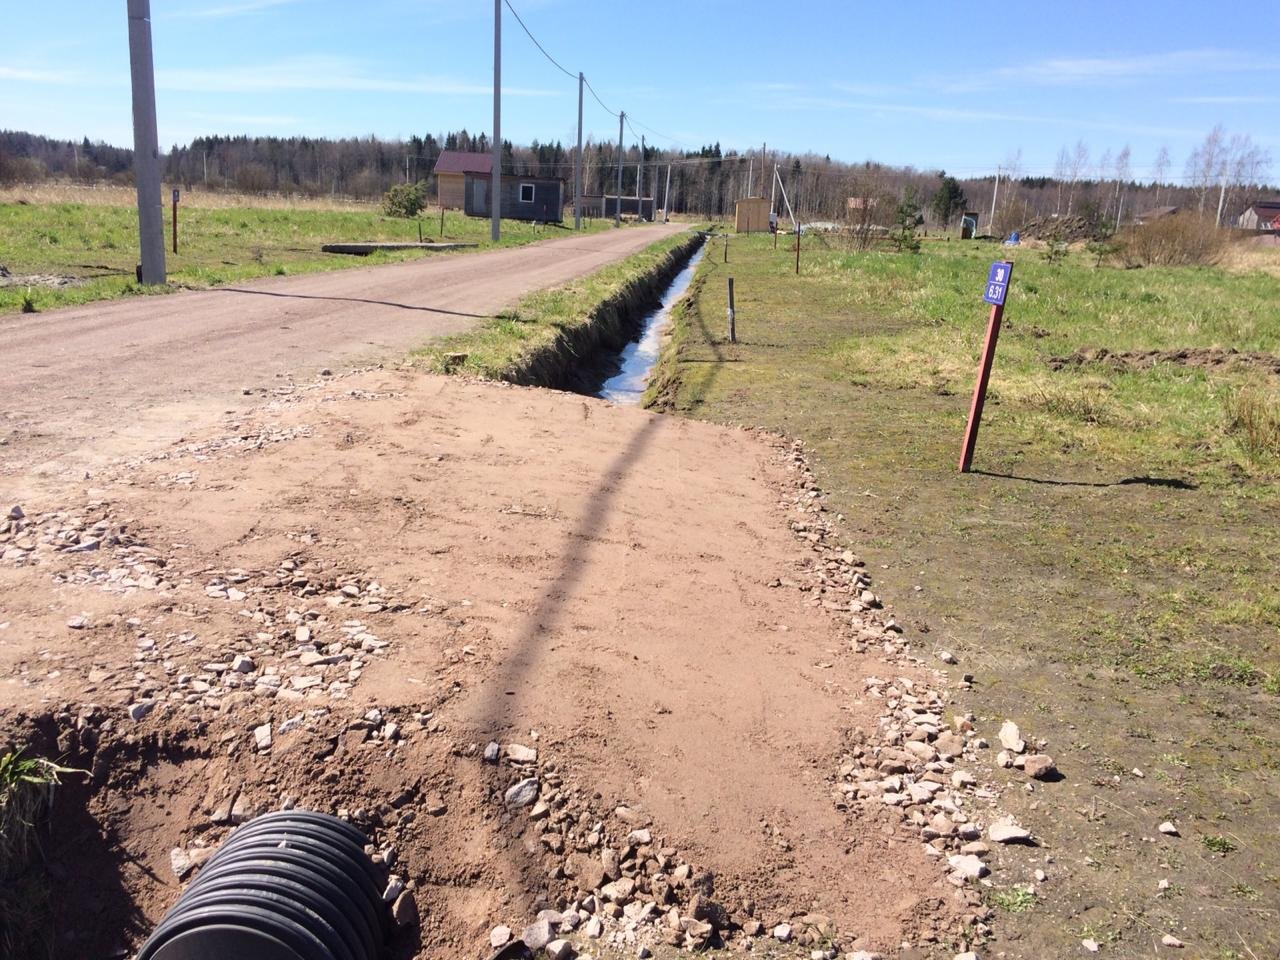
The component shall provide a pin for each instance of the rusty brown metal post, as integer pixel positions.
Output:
(980, 388)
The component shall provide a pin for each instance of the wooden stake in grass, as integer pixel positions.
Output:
(797, 250)
(442, 221)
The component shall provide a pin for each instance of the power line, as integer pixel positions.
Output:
(530, 35)
(611, 113)
(657, 134)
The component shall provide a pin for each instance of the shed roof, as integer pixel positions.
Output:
(1267, 205)
(457, 161)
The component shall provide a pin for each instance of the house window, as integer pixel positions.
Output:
(526, 193)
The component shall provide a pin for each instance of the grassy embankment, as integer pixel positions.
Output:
(1110, 577)
(505, 347)
(72, 233)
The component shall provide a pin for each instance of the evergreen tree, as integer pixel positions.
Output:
(905, 220)
(948, 200)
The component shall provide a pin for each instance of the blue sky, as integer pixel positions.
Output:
(958, 85)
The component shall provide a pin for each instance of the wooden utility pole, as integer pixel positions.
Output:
(146, 144)
(666, 199)
(577, 163)
(495, 179)
(617, 210)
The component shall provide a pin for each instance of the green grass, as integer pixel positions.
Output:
(1217, 844)
(1110, 566)
(27, 786)
(497, 349)
(1015, 899)
(98, 245)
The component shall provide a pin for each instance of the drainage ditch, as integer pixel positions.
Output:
(634, 365)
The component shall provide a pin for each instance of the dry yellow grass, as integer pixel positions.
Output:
(114, 195)
(1248, 256)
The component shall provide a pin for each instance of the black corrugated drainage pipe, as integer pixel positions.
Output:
(294, 885)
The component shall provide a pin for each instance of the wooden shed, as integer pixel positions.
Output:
(752, 215)
(452, 168)
(523, 198)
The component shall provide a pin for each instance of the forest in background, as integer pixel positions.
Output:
(1225, 173)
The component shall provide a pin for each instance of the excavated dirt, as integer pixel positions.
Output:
(1207, 358)
(386, 572)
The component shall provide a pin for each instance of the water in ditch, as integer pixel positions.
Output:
(638, 357)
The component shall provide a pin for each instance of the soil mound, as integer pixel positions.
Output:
(1210, 358)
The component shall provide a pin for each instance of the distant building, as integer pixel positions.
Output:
(751, 215)
(1155, 213)
(859, 203)
(1263, 217)
(631, 207)
(452, 167)
(523, 198)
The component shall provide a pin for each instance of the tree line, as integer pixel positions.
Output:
(1222, 175)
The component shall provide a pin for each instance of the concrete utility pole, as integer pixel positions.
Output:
(994, 193)
(617, 210)
(751, 174)
(577, 163)
(495, 180)
(666, 198)
(640, 181)
(146, 143)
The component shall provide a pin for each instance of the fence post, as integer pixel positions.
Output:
(733, 318)
(797, 250)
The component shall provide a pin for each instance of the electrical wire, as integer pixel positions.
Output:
(568, 73)
(530, 35)
(658, 134)
(611, 113)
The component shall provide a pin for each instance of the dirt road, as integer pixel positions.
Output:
(81, 386)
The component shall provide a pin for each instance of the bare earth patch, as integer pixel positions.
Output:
(338, 600)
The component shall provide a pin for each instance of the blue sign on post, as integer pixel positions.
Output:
(998, 282)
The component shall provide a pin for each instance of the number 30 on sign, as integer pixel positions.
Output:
(997, 283)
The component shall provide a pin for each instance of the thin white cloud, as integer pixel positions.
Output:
(245, 119)
(946, 114)
(321, 73)
(231, 9)
(20, 75)
(1098, 71)
(1227, 100)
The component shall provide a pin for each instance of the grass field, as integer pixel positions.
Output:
(1109, 573)
(92, 237)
